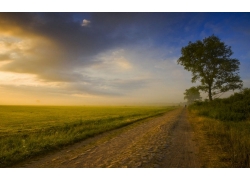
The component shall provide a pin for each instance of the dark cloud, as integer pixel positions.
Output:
(76, 45)
(63, 45)
(107, 29)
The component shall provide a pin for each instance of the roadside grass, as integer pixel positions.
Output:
(222, 143)
(27, 131)
(234, 108)
(223, 125)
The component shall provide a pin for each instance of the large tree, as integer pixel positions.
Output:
(192, 94)
(210, 62)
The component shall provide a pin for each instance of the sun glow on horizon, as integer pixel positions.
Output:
(106, 58)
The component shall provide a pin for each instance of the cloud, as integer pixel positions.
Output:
(112, 61)
(123, 63)
(121, 54)
(85, 23)
(53, 47)
(4, 57)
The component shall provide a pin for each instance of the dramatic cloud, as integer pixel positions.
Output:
(116, 57)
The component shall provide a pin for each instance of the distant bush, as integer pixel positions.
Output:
(234, 108)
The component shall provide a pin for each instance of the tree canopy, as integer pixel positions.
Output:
(210, 62)
(192, 94)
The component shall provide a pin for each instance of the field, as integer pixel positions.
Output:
(27, 131)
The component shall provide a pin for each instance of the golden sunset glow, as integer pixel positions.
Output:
(98, 59)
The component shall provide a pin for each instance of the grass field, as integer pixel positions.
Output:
(27, 131)
(225, 126)
(222, 143)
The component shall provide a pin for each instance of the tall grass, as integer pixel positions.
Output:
(227, 123)
(229, 140)
(28, 130)
(234, 108)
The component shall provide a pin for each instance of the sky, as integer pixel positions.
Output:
(108, 58)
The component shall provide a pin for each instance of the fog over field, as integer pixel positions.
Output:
(108, 58)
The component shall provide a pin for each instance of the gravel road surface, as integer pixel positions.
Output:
(161, 142)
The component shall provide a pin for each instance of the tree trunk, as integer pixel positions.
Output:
(210, 94)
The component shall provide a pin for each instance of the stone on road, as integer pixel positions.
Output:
(160, 142)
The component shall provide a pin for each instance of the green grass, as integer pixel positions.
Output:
(234, 141)
(26, 131)
(233, 108)
(229, 140)
(227, 122)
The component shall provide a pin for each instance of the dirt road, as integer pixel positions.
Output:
(161, 142)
